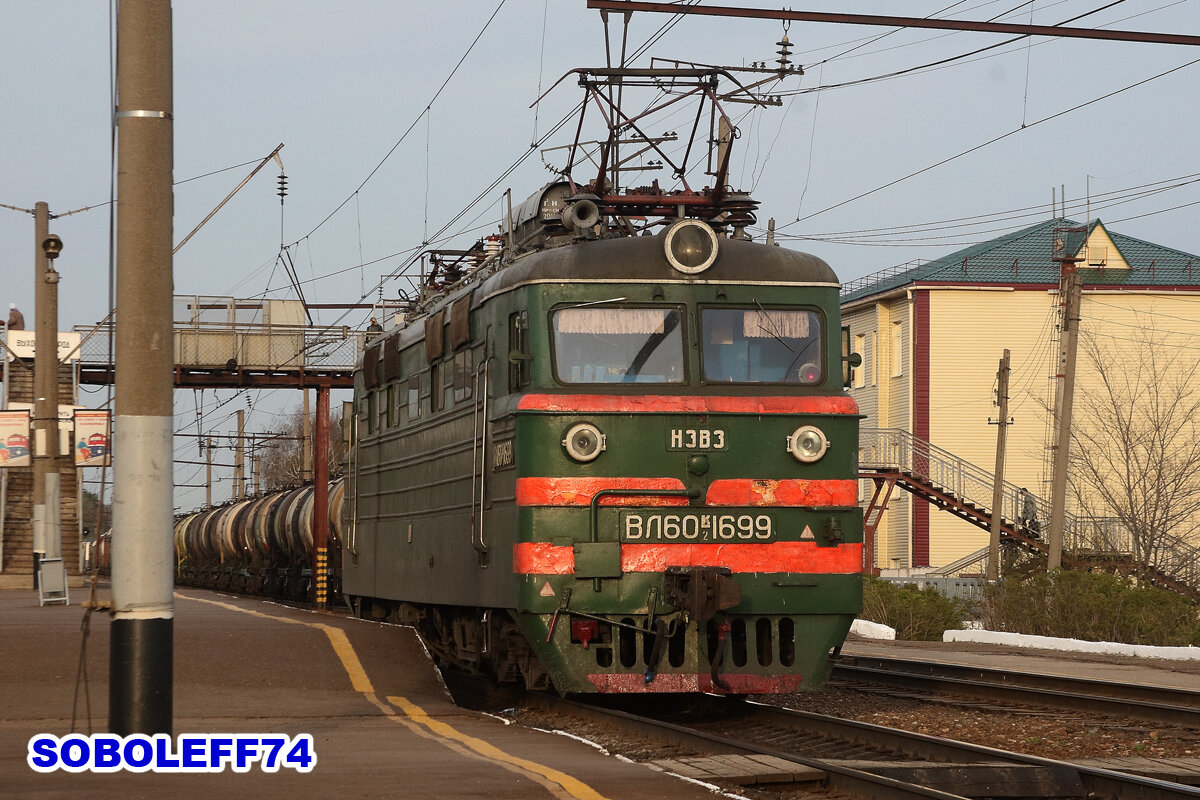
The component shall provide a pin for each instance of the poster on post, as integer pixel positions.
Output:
(14, 439)
(92, 438)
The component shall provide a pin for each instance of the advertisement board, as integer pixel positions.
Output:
(92, 439)
(14, 439)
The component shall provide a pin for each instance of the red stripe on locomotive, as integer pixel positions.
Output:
(543, 558)
(597, 403)
(724, 492)
(786, 492)
(580, 491)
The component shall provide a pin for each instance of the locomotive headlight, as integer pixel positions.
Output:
(807, 444)
(691, 246)
(584, 442)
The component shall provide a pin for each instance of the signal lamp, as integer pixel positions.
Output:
(584, 442)
(807, 444)
(690, 246)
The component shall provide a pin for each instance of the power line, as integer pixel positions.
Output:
(410, 128)
(982, 145)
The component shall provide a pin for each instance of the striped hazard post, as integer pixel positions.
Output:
(321, 499)
(321, 574)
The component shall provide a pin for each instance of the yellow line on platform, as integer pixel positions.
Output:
(573, 787)
(415, 718)
(337, 638)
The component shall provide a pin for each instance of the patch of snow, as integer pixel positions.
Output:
(1075, 645)
(872, 630)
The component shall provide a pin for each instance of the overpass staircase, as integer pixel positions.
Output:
(894, 458)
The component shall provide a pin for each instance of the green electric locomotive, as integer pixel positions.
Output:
(614, 453)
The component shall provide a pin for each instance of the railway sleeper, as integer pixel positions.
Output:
(977, 780)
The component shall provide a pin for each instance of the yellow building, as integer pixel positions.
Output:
(932, 336)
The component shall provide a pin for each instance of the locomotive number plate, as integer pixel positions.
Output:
(695, 439)
(647, 526)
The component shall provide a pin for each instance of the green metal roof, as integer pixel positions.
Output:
(1024, 257)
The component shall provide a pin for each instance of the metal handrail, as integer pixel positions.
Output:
(898, 449)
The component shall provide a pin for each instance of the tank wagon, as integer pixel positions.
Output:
(259, 546)
(611, 451)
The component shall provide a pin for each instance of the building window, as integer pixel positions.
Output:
(897, 349)
(860, 347)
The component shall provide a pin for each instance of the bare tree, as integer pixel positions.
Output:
(1135, 445)
(282, 462)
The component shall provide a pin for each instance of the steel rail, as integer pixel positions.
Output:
(1096, 781)
(1150, 703)
(849, 777)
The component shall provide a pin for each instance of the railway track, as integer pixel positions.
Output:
(1161, 705)
(749, 744)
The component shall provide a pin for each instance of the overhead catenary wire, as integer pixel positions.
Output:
(414, 124)
(993, 140)
(979, 226)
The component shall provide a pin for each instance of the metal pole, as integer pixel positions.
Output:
(208, 473)
(993, 570)
(49, 394)
(321, 498)
(140, 695)
(239, 462)
(1073, 295)
(306, 462)
(45, 358)
(628, 6)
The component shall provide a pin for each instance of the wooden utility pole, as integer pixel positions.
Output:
(141, 639)
(1071, 297)
(993, 570)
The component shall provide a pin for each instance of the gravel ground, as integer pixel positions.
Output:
(1052, 734)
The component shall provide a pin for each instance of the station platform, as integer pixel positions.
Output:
(1170, 673)
(383, 724)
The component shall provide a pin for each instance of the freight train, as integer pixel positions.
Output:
(610, 449)
(263, 545)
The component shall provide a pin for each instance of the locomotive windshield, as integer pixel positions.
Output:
(761, 345)
(618, 344)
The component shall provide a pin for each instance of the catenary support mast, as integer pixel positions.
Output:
(142, 633)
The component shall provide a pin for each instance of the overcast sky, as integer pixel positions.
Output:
(342, 84)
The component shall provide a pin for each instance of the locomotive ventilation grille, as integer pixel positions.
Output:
(761, 641)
